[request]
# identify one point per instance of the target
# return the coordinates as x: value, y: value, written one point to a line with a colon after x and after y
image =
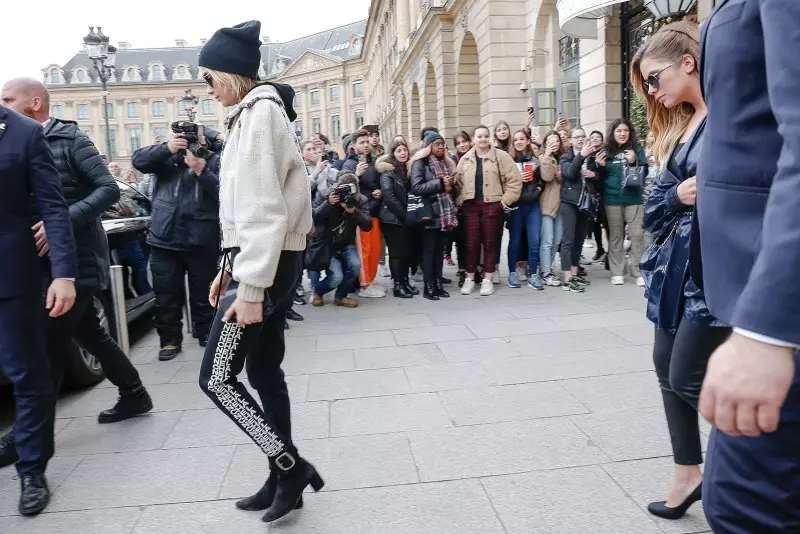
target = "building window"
x: 182, y: 108
x: 298, y: 101
x: 544, y: 107
x: 359, y: 118
x: 57, y: 111
x: 159, y: 134
x: 358, y: 89
x: 136, y: 139
x: 110, y: 110
x: 80, y: 76
x: 316, y: 125
x: 334, y: 94
x: 568, y: 52
x: 55, y: 76
x: 570, y: 101
x: 131, y: 74
x: 156, y: 73
x: 315, y: 97
x: 83, y: 112
x: 182, y: 72
x: 133, y: 110
x: 159, y: 108
x: 336, y: 128
x: 112, y: 140
x: 208, y: 107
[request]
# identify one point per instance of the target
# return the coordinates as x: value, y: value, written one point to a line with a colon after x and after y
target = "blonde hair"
x: 670, y: 43
x: 235, y: 83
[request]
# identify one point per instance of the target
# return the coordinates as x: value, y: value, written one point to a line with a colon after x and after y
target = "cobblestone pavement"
x: 525, y: 412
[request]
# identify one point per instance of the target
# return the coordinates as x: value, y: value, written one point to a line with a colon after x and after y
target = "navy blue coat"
x: 748, y: 198
x: 26, y: 168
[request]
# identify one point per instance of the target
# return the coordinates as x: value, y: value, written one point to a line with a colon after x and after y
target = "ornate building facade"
x: 146, y: 87
x: 455, y: 64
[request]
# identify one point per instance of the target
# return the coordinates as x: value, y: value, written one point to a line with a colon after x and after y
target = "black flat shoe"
x: 168, y: 352
x: 294, y: 316
x: 290, y: 488
x: 35, y: 494
x: 263, y: 498
x: 660, y: 508
x: 8, y: 452
x: 445, y: 280
x: 128, y: 406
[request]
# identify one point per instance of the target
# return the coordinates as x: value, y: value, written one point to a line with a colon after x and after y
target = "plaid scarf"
x: 447, y: 209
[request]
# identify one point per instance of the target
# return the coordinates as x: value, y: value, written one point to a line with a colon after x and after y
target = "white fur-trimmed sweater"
x: 265, y: 199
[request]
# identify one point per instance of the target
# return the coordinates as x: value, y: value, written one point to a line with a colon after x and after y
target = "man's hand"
x: 687, y: 191
x: 218, y: 287
x: 246, y: 313
x: 361, y: 169
x: 40, y: 235
x: 177, y: 143
x: 746, y: 384
x: 197, y: 165
x: 348, y: 209
x: 377, y: 194
x: 60, y: 297
x: 333, y: 198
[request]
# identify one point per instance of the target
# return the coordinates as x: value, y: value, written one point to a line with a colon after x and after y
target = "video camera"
x: 192, y: 132
x: 348, y: 194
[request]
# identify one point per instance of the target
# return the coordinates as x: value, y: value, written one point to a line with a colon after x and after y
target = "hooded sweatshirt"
x: 265, y: 199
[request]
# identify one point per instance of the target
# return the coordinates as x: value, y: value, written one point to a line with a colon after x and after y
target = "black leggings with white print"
x: 262, y: 347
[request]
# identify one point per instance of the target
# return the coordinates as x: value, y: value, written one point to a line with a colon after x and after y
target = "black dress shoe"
x: 289, y: 489
x: 8, y: 452
x: 168, y: 352
x: 445, y: 280
x: 660, y: 508
x: 293, y: 315
x: 129, y: 405
x: 263, y: 498
x: 35, y: 494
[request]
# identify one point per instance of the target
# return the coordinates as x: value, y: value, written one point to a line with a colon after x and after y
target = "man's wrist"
x: 754, y: 336
x: 67, y: 279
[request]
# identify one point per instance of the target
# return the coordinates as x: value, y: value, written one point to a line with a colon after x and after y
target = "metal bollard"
x: 187, y: 305
x: 120, y: 308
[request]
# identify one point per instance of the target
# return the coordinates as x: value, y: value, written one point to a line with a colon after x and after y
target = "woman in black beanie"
x: 265, y: 214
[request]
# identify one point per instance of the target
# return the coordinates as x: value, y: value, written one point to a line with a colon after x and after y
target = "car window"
x: 133, y: 201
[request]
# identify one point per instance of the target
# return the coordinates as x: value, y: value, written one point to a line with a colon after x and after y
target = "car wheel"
x: 82, y: 368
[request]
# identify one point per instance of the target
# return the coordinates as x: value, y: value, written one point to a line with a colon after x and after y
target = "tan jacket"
x: 551, y: 196
x: 501, y: 178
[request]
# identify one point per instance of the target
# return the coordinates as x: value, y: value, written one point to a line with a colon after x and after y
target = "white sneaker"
x: 618, y: 280
x: 372, y: 292
x: 522, y: 274
x: 640, y: 282
x: 383, y: 271
x: 487, y: 287
x: 468, y: 287
x: 495, y: 279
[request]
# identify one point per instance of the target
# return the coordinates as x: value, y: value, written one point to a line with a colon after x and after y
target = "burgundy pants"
x: 483, y: 221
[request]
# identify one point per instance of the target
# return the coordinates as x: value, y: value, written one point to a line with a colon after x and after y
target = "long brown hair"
x: 670, y: 43
x: 512, y: 150
x: 399, y: 168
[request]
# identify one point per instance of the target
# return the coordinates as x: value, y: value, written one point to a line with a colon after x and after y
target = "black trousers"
x: 82, y: 324
x: 432, y: 254
x: 574, y: 225
x: 398, y: 239
x: 597, y: 228
x: 261, y: 347
x: 680, y: 360
x: 23, y: 361
x: 169, y: 268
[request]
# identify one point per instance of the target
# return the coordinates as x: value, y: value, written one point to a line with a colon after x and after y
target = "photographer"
x: 184, y: 232
x: 337, y: 221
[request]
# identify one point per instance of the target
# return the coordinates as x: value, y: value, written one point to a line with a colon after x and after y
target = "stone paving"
x: 519, y: 413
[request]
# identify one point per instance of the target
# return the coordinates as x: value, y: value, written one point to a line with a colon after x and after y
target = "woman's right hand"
x: 322, y: 165
x: 218, y: 287
x: 687, y: 191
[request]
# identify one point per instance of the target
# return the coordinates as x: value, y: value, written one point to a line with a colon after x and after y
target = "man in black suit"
x: 748, y: 209
x: 26, y: 169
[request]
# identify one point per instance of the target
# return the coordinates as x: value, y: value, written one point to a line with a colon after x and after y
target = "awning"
x: 578, y: 18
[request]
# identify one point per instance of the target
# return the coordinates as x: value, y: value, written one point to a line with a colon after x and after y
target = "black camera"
x: 192, y: 132
x: 348, y: 194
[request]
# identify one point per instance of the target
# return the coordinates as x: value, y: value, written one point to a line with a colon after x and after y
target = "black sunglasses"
x: 653, y: 81
x: 210, y: 81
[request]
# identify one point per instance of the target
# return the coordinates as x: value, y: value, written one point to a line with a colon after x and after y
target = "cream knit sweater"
x: 265, y: 198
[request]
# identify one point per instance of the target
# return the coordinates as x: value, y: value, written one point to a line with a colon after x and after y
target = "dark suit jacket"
x: 26, y: 168
x: 748, y: 200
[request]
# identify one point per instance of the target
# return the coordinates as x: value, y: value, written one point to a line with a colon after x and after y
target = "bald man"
x: 89, y: 191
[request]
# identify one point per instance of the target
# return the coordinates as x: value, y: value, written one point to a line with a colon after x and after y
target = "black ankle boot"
x: 430, y: 291
x: 440, y: 289
x: 289, y: 489
x: 407, y: 285
x: 8, y: 452
x: 400, y: 292
x: 129, y: 405
x: 263, y: 498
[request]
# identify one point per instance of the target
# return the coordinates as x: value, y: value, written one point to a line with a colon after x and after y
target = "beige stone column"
x: 402, y: 23
x: 601, y: 76
x: 306, y: 114
x: 414, y: 8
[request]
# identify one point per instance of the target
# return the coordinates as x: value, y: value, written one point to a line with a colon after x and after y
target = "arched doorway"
x: 468, y: 90
x: 414, y: 116
x: 429, y: 113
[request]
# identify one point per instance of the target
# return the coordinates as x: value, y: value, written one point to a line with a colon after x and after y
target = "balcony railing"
x: 568, y: 53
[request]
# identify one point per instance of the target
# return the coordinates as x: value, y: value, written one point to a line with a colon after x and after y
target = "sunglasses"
x: 209, y: 80
x: 653, y: 81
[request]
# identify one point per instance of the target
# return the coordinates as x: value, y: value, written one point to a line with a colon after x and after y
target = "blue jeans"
x: 527, y: 217
x: 551, y: 239
x: 340, y: 275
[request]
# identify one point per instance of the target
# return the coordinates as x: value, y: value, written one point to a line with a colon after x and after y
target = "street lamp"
x: 672, y: 9
x: 189, y: 102
x: 103, y: 58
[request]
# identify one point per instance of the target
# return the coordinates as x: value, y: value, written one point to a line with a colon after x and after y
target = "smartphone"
x: 324, y: 157
x: 362, y: 158
x: 530, y: 111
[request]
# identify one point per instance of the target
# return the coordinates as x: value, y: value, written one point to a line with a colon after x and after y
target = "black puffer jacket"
x: 332, y: 222
x: 531, y: 191
x: 185, y: 214
x: 394, y: 191
x: 89, y: 190
x: 571, y: 180
x: 367, y: 182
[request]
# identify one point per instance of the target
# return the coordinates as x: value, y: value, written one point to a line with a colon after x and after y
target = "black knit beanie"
x: 234, y: 50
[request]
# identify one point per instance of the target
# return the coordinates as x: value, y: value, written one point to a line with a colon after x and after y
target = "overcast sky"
x: 35, y: 34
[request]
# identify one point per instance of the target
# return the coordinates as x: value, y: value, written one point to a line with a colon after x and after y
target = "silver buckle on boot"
x: 285, y: 461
